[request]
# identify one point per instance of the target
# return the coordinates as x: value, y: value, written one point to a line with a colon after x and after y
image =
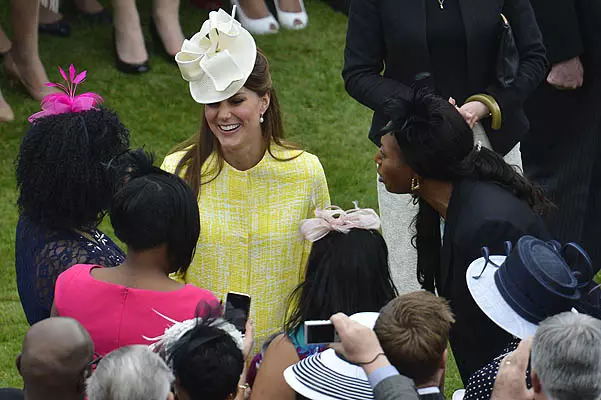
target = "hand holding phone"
x: 237, y: 308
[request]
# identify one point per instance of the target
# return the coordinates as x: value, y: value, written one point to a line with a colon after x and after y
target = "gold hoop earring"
x: 414, y: 184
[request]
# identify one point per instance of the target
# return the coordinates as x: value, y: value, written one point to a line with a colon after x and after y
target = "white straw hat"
x: 218, y: 60
x: 326, y: 376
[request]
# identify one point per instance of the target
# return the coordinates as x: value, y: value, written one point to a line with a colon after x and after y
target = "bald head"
x: 54, y: 356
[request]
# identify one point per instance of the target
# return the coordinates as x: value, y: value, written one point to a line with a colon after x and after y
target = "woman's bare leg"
x: 254, y: 9
x: 23, y: 59
x: 5, y: 43
x: 166, y: 17
x: 128, y: 31
x: 89, y: 6
x: 47, y: 16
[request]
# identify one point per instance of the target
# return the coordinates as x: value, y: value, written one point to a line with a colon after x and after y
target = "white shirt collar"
x: 428, y: 390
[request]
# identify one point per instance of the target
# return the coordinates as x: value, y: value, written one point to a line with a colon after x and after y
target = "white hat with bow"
x: 218, y: 60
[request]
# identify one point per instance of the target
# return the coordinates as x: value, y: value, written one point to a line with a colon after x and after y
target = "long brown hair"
x: 199, y: 147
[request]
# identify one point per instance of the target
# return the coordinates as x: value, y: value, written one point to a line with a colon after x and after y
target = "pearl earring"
x: 261, y: 119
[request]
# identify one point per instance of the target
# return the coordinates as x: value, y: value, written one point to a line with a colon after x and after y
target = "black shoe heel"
x: 126, y: 67
x: 59, y: 28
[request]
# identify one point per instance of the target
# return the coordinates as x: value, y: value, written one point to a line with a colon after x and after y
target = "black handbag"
x: 508, y: 56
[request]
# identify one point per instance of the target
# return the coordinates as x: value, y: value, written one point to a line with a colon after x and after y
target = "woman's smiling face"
x: 236, y: 121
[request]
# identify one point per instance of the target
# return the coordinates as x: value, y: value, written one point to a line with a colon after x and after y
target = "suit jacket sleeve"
x: 533, y: 61
x: 396, y: 387
x: 558, y: 22
x: 364, y: 57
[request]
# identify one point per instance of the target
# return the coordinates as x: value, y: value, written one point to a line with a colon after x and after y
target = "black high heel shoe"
x: 158, y: 42
x: 126, y: 67
x: 59, y: 28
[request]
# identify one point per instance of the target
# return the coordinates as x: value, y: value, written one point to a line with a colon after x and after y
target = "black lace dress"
x: 41, y: 255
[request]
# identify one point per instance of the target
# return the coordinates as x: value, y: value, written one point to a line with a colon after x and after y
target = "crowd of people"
x: 238, y: 210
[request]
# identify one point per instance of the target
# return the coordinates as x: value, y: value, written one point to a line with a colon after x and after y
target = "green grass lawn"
x: 157, y: 108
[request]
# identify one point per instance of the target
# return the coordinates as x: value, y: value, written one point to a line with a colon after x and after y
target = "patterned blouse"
x: 482, y: 382
x: 249, y: 230
x: 42, y: 254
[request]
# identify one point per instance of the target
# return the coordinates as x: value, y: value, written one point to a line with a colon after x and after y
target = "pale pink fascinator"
x: 336, y: 219
x: 67, y: 102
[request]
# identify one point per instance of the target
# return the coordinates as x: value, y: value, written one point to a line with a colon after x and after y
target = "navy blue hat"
x: 528, y: 285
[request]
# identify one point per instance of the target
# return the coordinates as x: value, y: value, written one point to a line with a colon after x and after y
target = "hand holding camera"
x: 359, y: 344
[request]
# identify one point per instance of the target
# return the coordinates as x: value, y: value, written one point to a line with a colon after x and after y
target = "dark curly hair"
x: 61, y: 168
x: 438, y: 144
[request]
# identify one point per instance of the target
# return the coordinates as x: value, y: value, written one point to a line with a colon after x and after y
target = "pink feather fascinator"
x: 336, y: 219
x: 67, y: 102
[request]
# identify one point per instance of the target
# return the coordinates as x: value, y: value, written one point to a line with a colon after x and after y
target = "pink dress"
x: 117, y: 316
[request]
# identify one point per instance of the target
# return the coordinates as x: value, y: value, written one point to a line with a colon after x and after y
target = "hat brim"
x: 325, y: 376
x: 485, y: 293
x: 459, y: 394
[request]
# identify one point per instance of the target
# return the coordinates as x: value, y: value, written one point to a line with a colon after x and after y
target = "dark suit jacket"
x: 391, y: 36
x: 570, y: 28
x: 396, y: 387
x: 479, y: 214
x: 11, y: 394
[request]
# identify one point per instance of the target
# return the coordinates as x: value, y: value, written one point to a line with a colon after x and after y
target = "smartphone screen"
x: 237, y: 307
x: 320, y: 334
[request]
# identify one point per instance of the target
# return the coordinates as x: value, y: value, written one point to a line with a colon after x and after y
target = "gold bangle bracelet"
x: 492, y: 105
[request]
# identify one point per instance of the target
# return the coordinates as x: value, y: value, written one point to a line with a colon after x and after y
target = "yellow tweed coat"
x: 249, y: 230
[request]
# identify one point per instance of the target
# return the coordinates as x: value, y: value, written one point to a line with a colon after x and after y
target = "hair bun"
x: 130, y: 165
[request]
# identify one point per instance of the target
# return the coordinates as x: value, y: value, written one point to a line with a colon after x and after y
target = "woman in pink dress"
x: 155, y: 214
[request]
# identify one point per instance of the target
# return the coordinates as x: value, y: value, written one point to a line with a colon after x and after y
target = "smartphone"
x: 237, y: 308
x: 320, y: 332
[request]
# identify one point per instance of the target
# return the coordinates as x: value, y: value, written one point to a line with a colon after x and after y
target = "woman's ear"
x: 265, y: 102
x: 536, y: 385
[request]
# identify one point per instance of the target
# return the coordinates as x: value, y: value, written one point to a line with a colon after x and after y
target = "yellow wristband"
x: 492, y: 105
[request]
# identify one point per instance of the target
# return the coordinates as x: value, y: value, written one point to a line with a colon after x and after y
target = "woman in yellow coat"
x: 253, y: 188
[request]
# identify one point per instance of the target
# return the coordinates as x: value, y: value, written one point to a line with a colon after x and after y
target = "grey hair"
x: 566, y: 356
x: 130, y: 373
